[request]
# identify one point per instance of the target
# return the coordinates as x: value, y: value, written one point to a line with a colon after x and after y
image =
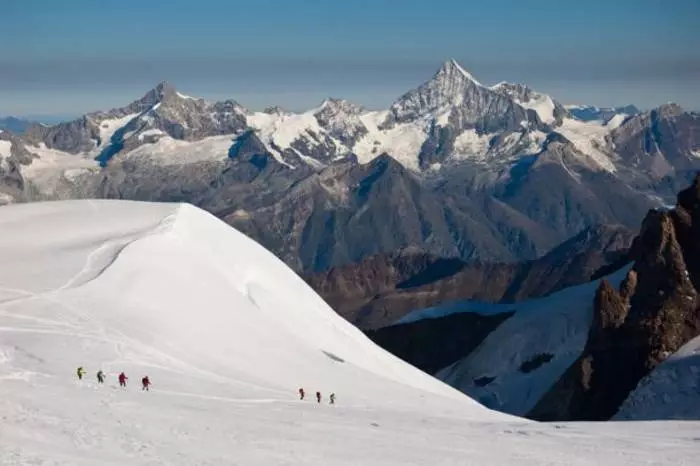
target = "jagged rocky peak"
x: 342, y: 120
x: 274, y: 110
x: 451, y: 71
x: 162, y: 92
x: 670, y: 109
x: 655, y: 312
x: 339, y: 106
x: 651, y: 117
x: 663, y: 142
x: 456, y: 102
x: 515, y: 90
x: 451, y: 86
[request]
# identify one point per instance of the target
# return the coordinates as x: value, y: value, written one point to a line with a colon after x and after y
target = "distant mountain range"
x: 382, y: 289
x: 605, y: 114
x: 454, y: 168
x: 15, y: 125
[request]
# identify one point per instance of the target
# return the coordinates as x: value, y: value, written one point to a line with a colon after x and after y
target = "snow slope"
x: 403, y: 141
x: 543, y: 105
x: 110, y: 126
x: 169, y: 151
x: 50, y: 165
x: 556, y: 326
x: 227, y: 333
x: 282, y: 129
x: 589, y: 138
x: 5, y: 148
x: 671, y: 391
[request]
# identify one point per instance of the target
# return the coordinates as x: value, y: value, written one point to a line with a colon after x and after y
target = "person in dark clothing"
x: 318, y: 397
x: 122, y: 379
x: 100, y: 376
x: 332, y: 398
x: 145, y: 383
x: 301, y: 393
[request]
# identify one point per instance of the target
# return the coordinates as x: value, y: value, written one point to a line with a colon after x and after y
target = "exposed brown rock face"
x: 383, y: 288
x: 635, y: 328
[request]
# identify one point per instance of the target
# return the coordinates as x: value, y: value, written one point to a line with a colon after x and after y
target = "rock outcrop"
x: 634, y: 329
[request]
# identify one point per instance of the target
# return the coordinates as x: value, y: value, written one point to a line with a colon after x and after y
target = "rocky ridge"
x: 636, y: 327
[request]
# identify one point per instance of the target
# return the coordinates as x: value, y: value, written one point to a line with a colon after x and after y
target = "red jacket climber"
x: 145, y: 382
x: 122, y: 379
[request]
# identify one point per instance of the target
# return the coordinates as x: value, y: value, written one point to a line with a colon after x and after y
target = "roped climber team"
x: 146, y: 384
x: 331, y: 398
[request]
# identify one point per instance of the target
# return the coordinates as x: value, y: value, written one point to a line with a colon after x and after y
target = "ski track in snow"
x: 227, y: 334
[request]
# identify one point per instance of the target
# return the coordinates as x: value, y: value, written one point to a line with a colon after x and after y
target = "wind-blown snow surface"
x: 671, y: 391
x: 227, y: 333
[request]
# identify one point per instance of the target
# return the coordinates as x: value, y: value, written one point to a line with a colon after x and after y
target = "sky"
x: 68, y: 57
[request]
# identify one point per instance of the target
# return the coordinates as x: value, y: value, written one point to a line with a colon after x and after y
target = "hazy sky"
x: 70, y: 56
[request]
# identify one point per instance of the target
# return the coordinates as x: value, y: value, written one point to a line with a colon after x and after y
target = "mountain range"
x: 453, y: 168
x: 15, y: 125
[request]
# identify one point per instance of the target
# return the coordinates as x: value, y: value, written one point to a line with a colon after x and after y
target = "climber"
x: 332, y: 398
x: 80, y: 373
x: 318, y: 397
x: 122, y: 379
x: 145, y: 382
x: 100, y: 376
x: 301, y: 393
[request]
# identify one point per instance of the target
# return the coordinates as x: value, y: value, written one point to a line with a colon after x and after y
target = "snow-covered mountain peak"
x: 164, y: 93
x: 451, y: 86
x: 669, y: 109
x: 453, y: 78
x: 161, y: 92
x: 339, y: 106
x: 274, y: 110
x: 451, y: 68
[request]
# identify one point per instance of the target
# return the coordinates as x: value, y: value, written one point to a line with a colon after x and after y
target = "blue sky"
x: 71, y: 56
